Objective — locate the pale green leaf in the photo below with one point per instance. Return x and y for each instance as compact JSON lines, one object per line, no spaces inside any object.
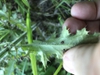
{"x":4,"y":8}
{"x":64,"y":42}
{"x":24,"y":66}
{"x":9,"y":70}
{"x":43,"y":58}
{"x":3,"y":14}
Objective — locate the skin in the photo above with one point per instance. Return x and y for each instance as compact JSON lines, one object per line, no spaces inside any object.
{"x":83,"y":60}
{"x":84,"y":14}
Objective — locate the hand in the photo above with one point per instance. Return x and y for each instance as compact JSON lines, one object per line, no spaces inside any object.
{"x":83,"y":60}
{"x":84,"y":14}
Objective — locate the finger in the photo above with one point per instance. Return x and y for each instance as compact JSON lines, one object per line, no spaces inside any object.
{"x":93,"y":26}
{"x":74,"y":24}
{"x":86,"y":10}
{"x":95,"y":68}
{"x":79,"y":57}
{"x":68,"y":63}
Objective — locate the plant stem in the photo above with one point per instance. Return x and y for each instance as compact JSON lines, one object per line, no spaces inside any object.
{"x":58,"y":69}
{"x":30,"y":40}
{"x":29,"y":30}
{"x":33,"y":63}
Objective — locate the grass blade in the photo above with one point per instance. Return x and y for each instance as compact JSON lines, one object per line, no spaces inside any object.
{"x":10,"y":69}
{"x":58,"y":69}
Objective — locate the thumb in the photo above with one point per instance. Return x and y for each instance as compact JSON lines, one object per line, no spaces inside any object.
{"x":77,"y":60}
{"x":95,"y":68}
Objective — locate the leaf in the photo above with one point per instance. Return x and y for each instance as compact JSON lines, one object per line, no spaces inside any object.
{"x":68,"y":74}
{"x":43,"y":58}
{"x":57,"y":45}
{"x":21,"y":6}
{"x":9,"y":70}
{"x":4,"y":8}
{"x":50,"y":70}
{"x":3,"y":34}
{"x":18,"y":23}
{"x":3,"y":54}
{"x":3,"y":14}
{"x":26,"y":3}
{"x":24,"y":66}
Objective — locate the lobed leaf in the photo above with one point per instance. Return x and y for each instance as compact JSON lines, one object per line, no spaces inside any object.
{"x":55,"y":46}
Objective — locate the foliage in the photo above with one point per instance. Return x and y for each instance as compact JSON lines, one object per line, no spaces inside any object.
{"x":57,"y":45}
{"x":49,"y":42}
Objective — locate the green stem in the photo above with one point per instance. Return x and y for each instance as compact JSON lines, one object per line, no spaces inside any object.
{"x":30,"y":40}
{"x":58,"y":69}
{"x":29,"y":30}
{"x":33,"y":63}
